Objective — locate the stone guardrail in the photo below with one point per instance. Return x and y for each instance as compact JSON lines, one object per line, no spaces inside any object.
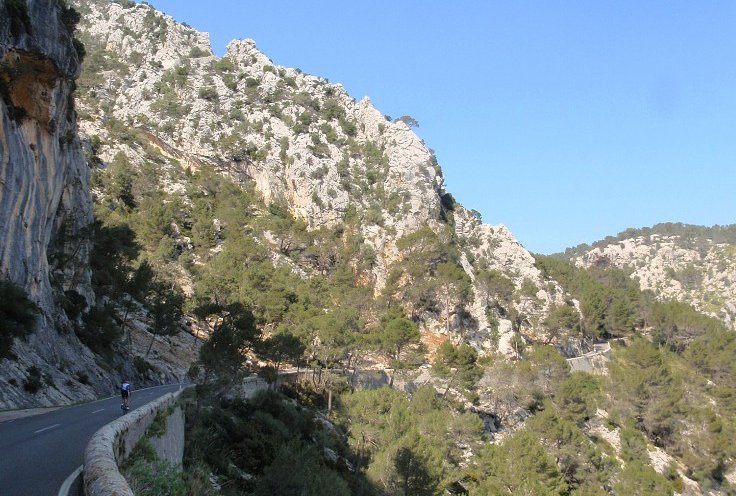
{"x":114,"y":442}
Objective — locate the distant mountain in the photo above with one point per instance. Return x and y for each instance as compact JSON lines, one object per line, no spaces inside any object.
{"x":687,"y":263}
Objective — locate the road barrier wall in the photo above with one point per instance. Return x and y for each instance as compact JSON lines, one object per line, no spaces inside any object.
{"x":113,"y":443}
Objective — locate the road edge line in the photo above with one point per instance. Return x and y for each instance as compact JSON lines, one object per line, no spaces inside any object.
{"x":64,"y":489}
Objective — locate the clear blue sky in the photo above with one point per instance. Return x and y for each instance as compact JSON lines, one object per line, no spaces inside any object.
{"x":566,"y":121}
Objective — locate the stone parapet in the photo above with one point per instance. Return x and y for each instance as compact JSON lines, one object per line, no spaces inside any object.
{"x":113,"y":443}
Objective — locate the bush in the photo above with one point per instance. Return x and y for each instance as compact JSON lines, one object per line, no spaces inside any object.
{"x":208,"y":93}
{"x":73,"y":304}
{"x":70,"y":18}
{"x":34,"y":380}
{"x":156,"y":478}
{"x":197,"y":52}
{"x":99,"y":331}
{"x":223,"y":65}
{"x":348,"y":127}
{"x":17,"y":316}
{"x":266,"y":436}
{"x":142,"y":366}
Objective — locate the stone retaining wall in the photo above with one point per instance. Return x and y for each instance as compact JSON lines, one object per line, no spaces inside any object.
{"x":114,"y":442}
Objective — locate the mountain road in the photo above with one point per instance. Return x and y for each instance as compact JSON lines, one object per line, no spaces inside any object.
{"x":38,"y":453}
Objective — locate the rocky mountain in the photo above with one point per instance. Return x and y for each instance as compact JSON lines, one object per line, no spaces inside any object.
{"x":690,"y":264}
{"x":153,"y":90}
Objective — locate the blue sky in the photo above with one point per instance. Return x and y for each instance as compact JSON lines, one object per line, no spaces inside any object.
{"x":566,"y":121}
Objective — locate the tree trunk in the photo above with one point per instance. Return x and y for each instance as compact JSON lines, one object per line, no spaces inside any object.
{"x":126,"y":326}
{"x":150,"y":344}
{"x":447,"y":313}
{"x":352,"y":376}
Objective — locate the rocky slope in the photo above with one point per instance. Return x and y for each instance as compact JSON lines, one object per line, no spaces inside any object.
{"x":46,"y":211}
{"x":301,"y":141}
{"x":691,"y":264}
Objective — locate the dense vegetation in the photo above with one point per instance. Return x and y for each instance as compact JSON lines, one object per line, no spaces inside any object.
{"x":611,"y":303}
{"x":383,"y":441}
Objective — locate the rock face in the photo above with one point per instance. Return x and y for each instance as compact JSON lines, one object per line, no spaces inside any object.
{"x":691,"y":264}
{"x":299,"y":140}
{"x":45,"y":205}
{"x":497,"y":249}
{"x":45,"y":178}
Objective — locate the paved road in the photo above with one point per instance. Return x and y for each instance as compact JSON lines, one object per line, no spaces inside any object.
{"x":38,"y":453}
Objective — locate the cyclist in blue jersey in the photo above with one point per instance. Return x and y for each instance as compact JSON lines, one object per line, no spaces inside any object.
{"x":125,"y":392}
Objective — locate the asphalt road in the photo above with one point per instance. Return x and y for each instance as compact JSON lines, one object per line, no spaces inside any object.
{"x":38,"y":453}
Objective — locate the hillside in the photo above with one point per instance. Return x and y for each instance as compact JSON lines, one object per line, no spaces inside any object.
{"x":690,"y":264}
{"x":177,"y":213}
{"x":155,"y":100}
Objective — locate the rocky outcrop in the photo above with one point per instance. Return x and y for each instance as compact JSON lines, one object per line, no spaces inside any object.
{"x":45,"y":179}
{"x":694,"y":270}
{"x":499,"y":250}
{"x":46,"y":216}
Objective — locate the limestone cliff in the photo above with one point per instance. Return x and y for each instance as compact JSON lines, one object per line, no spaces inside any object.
{"x":45,"y":205}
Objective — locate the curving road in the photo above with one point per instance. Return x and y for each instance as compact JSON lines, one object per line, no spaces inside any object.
{"x":38,"y":453}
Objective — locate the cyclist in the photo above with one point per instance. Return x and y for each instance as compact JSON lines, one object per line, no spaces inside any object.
{"x":125,"y":392}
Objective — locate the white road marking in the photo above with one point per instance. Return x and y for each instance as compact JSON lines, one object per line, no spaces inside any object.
{"x":47,"y":428}
{"x":64,"y":489}
{"x":98,"y":411}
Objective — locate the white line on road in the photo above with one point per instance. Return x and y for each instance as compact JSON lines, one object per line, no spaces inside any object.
{"x":64,"y":489}
{"x":47,"y":428}
{"x":98,"y":411}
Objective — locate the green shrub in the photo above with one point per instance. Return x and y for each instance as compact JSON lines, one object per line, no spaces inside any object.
{"x":142,"y":366}
{"x":33,"y":382}
{"x":197,"y":52}
{"x":208,"y":93}
{"x":223,"y":65}
{"x":348,"y":127}
{"x":156,"y":477}
{"x":69,"y":17}
{"x":158,"y":426}
{"x":331,"y":109}
{"x":100,"y":331}
{"x":17,"y":316}
{"x":528,"y":288}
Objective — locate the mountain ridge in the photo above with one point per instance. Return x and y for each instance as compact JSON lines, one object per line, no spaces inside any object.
{"x":300,"y":140}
